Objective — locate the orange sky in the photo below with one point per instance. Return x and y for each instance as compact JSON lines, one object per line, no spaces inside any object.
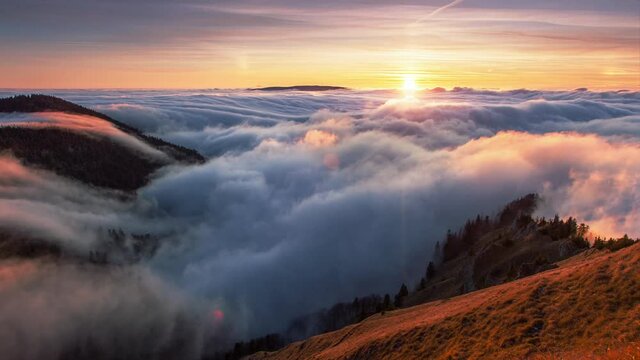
{"x":199,"y":44}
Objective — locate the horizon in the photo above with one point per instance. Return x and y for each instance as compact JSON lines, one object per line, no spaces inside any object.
{"x":260,"y":88}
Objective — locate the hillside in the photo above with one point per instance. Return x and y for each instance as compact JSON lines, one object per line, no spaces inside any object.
{"x":91,"y":160}
{"x":485,"y":252}
{"x":589,"y":304}
{"x":45,"y":103}
{"x":94,"y":158}
{"x":44,"y":132}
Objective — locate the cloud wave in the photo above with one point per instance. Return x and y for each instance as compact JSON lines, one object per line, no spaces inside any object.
{"x":309,"y":198}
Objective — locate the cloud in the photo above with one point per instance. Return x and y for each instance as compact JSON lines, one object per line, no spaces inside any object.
{"x":40,"y":204}
{"x":319,"y":138}
{"x":309,"y":199}
{"x":221,"y":121}
{"x":280,"y":233}
{"x":53,"y":310}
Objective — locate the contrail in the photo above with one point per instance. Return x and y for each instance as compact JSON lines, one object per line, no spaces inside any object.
{"x":436,"y":11}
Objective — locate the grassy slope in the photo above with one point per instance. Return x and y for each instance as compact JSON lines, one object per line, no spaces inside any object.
{"x":588,"y":304}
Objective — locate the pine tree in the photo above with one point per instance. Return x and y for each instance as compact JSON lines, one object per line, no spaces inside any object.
{"x":431,"y":270}
{"x":386,"y":304}
{"x":423,"y":284}
{"x":402,"y":293}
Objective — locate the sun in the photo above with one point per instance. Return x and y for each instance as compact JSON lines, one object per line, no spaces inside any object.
{"x":409,"y":86}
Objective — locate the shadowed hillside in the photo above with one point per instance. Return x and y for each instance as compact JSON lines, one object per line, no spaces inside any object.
{"x":487,"y":252}
{"x":114,"y":246}
{"x":587,"y":307}
{"x":92,"y":160}
{"x":96,"y":160}
{"x":44,"y":103}
{"x":89,"y":157}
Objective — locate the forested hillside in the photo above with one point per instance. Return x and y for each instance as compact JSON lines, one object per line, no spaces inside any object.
{"x":93,"y":159}
{"x":586,"y":308}
{"x":485,"y":252}
{"x":45,"y":103}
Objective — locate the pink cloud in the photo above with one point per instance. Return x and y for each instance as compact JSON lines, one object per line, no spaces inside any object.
{"x":319,"y":138}
{"x":584,"y":176}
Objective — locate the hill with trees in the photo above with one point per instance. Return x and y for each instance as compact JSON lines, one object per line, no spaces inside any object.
{"x":114,"y":247}
{"x":94,"y":160}
{"x":587,"y":307}
{"x":486,"y":252}
{"x":44,"y":103}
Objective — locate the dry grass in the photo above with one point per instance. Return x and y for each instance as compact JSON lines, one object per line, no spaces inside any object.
{"x":628,"y":352}
{"x":589,"y":307}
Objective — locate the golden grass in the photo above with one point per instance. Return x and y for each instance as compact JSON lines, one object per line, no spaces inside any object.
{"x":589,"y":307}
{"x":628,"y":352}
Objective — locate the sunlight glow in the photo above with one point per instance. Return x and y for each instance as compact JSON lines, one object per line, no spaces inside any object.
{"x":409,"y":87}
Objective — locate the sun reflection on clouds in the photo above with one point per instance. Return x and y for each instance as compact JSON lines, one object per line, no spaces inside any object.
{"x":319,"y":138}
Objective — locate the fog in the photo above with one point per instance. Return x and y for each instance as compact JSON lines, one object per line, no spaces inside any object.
{"x":308,"y":199}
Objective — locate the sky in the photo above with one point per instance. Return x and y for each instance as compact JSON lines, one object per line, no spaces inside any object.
{"x":495,"y":44}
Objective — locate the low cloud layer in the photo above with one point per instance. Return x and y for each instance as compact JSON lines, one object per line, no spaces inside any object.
{"x":218,"y":122}
{"x":308,"y":198}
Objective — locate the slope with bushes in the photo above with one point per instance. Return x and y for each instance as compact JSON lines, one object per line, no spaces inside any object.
{"x":486,"y":251}
{"x":587,"y":307}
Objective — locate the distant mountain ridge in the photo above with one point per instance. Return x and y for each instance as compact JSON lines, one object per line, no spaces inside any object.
{"x":301,"y":88}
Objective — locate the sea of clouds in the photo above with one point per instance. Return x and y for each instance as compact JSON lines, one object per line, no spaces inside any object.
{"x":308,"y":199}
